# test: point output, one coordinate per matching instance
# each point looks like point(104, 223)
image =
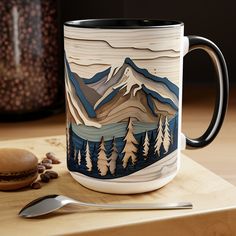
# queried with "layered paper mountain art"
point(120, 120)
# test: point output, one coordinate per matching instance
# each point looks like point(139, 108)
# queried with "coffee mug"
point(123, 80)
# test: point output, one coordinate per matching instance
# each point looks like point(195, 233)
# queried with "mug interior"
point(123, 23)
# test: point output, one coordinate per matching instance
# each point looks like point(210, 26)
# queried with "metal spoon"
point(47, 204)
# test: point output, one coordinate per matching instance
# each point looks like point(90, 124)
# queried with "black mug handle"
point(196, 42)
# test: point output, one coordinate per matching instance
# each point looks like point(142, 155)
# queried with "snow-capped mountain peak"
point(128, 81)
point(131, 92)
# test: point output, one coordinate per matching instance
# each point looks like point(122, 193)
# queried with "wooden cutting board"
point(214, 201)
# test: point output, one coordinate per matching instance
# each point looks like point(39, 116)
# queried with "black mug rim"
point(124, 23)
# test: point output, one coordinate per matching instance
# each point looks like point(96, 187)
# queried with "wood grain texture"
point(92, 50)
point(213, 198)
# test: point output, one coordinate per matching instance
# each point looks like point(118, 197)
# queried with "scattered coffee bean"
point(36, 185)
point(56, 161)
point(48, 175)
point(46, 160)
point(52, 174)
point(52, 156)
point(47, 165)
point(41, 168)
point(45, 178)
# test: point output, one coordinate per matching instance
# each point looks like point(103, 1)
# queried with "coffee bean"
point(46, 160)
point(41, 168)
point(45, 178)
point(36, 185)
point(52, 174)
point(56, 161)
point(52, 156)
point(47, 165)
point(29, 56)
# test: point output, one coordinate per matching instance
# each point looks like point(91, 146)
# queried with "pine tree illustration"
point(75, 155)
point(166, 140)
point(159, 138)
point(102, 162)
point(79, 157)
point(113, 157)
point(146, 145)
point(130, 148)
point(88, 157)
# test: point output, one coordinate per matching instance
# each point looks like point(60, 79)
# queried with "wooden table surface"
point(213, 199)
point(220, 156)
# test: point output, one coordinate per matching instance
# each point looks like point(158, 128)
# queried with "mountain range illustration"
point(119, 124)
point(130, 92)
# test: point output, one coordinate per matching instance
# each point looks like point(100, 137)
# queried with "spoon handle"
point(141, 206)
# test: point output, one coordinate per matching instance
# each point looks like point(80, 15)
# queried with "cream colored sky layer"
point(93, 50)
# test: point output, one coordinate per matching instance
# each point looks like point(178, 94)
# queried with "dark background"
point(209, 18)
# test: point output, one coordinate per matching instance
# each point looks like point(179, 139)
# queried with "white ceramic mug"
point(123, 82)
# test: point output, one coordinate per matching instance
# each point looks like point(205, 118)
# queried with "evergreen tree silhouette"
point(102, 163)
point(88, 158)
point(146, 146)
point(159, 138)
point(166, 139)
point(130, 148)
point(79, 157)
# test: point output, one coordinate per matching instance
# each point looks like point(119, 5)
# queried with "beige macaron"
point(18, 168)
